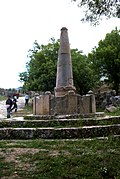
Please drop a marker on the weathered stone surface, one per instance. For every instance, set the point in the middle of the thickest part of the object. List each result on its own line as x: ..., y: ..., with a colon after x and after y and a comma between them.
x: 111, y: 108
x: 64, y: 79
x: 59, y: 133
x: 41, y: 105
x: 59, y: 121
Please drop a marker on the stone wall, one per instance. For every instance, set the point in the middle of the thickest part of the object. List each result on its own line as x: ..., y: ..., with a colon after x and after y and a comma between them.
x: 68, y: 104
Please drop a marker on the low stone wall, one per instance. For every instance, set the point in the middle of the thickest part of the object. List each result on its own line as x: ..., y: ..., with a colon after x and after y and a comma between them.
x: 59, y: 133
x: 59, y: 128
x: 68, y: 104
x: 70, y: 116
x: 58, y: 123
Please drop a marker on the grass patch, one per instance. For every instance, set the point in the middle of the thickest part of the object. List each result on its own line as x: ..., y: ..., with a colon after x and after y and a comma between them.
x: 114, y: 113
x: 61, y: 159
x: 2, y: 98
x: 25, y: 111
x: 28, y: 109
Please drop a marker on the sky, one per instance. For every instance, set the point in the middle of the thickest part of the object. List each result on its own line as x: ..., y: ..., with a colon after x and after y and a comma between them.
x: 24, y: 21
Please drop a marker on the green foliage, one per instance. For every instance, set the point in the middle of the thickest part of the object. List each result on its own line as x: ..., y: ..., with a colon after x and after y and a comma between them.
x: 41, y: 69
x: 24, y: 76
x: 103, y: 61
x: 42, y: 66
x: 114, y: 113
x: 84, y: 78
x: 2, y: 98
x: 106, y: 58
x: 96, y: 9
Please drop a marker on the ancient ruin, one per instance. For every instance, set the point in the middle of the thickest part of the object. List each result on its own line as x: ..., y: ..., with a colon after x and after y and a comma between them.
x: 65, y: 100
x: 64, y: 79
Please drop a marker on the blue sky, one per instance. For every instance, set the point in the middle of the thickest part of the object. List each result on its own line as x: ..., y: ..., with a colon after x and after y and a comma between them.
x: 24, y: 21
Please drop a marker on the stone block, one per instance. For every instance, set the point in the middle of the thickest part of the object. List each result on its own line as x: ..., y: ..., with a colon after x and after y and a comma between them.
x: 41, y: 105
x: 86, y: 104
x: 72, y: 104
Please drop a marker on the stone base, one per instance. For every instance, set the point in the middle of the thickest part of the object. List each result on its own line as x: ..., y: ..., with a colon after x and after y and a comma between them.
x: 62, y: 91
x: 70, y: 103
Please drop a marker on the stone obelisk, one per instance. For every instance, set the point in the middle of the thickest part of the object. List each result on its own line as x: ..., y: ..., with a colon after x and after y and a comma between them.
x: 64, y: 79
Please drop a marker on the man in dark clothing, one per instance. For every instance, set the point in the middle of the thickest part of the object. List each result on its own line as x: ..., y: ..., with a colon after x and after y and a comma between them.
x: 9, y: 104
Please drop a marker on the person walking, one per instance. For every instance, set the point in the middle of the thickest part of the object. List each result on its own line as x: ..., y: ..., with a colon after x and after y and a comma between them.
x: 9, y: 104
x: 14, y: 103
x: 26, y: 99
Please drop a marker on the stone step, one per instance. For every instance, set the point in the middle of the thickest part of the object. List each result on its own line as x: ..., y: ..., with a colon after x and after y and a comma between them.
x: 59, y: 122
x: 59, y: 133
x: 70, y: 116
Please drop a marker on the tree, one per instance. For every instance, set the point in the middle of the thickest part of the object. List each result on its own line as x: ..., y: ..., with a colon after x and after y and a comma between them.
x: 42, y: 68
x: 24, y: 77
x: 96, y: 9
x: 84, y: 78
x: 106, y: 58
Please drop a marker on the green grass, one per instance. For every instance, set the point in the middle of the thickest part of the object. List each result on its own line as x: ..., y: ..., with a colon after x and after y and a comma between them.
x: 2, y: 98
x: 25, y: 111
x: 60, y: 159
x: 28, y: 108
x: 114, y: 113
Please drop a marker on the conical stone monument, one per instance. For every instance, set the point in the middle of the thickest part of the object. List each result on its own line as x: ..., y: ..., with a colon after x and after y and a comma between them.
x: 64, y: 79
x: 65, y: 100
